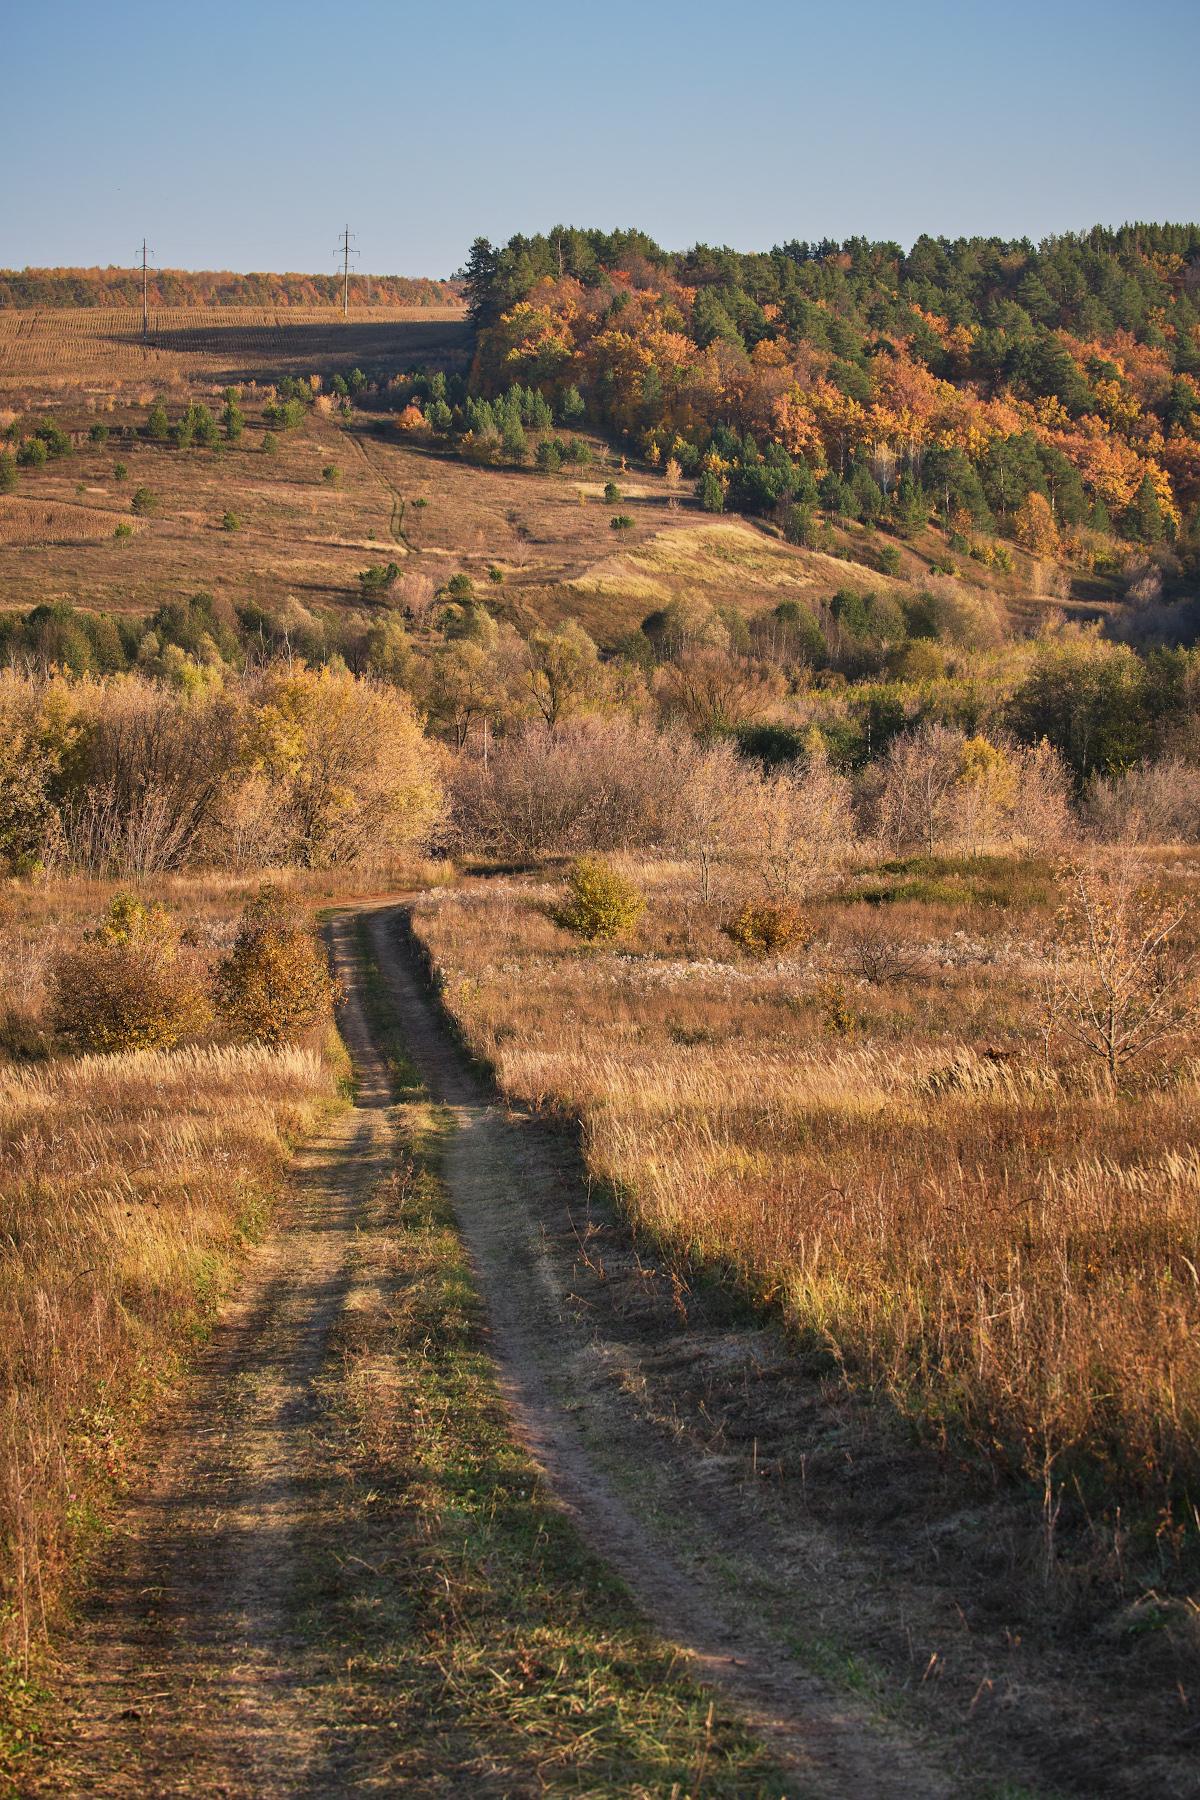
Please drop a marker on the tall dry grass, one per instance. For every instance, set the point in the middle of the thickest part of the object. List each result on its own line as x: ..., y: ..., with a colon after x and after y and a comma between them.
x: 128, y: 1184
x: 1002, y: 1247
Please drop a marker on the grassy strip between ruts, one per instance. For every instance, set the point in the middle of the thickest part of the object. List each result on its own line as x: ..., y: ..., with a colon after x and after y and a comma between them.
x: 464, y: 1621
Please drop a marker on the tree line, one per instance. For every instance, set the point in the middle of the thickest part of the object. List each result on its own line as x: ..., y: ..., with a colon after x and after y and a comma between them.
x: 114, y: 287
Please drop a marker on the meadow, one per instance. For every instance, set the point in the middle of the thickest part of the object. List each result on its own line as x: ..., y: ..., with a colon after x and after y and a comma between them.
x: 878, y: 1136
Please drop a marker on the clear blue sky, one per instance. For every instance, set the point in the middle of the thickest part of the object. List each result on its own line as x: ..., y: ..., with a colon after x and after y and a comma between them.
x: 242, y: 136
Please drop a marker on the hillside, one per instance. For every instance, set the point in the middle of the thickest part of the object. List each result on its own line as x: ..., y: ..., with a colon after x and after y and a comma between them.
x: 1046, y: 392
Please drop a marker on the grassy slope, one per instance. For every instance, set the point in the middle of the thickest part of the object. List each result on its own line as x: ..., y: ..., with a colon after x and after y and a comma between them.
x: 303, y: 540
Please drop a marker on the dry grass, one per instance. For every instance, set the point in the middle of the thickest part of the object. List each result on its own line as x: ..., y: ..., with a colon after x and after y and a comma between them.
x: 1002, y: 1248
x: 102, y: 348
x: 128, y: 1185
x: 24, y: 523
x: 129, y: 1182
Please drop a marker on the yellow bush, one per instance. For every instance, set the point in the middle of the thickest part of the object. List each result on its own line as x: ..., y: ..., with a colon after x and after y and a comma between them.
x: 275, y: 982
x: 600, y: 903
x: 127, y: 986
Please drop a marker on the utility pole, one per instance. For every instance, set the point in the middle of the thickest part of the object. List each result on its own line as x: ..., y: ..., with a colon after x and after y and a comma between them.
x: 145, y: 295
x: 344, y: 246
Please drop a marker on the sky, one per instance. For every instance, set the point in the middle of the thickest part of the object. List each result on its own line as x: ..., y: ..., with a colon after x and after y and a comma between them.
x: 244, y: 136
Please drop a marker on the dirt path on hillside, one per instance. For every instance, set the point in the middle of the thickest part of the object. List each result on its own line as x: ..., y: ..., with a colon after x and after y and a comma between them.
x: 396, y: 520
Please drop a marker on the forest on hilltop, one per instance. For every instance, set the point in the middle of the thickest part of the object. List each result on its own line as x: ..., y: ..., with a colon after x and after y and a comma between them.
x: 1035, y: 390
x: 214, y: 287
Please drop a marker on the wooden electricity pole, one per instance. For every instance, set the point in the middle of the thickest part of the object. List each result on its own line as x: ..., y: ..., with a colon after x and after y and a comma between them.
x: 145, y: 295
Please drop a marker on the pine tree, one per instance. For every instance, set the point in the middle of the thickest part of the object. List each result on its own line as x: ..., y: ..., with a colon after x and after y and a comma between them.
x: 1146, y: 518
x: 710, y: 493
x: 571, y: 409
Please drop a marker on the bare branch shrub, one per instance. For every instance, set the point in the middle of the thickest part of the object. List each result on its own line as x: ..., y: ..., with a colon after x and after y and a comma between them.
x: 591, y: 783
x: 798, y: 828
x: 1154, y: 803
x: 1121, y: 974
x: 938, y: 788
x: 879, y: 956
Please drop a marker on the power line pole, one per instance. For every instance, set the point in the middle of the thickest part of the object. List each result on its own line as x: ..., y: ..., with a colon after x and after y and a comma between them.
x: 344, y: 246
x: 145, y: 295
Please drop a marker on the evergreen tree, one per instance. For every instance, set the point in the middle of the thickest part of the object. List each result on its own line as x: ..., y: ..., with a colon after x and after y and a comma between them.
x: 516, y: 444
x: 1145, y: 514
x: 710, y: 493
x: 571, y: 409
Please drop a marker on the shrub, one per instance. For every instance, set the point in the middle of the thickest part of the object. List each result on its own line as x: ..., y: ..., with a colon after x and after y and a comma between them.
x: 55, y: 439
x: 274, y: 983
x: 143, y: 503
x: 120, y: 471
x: 495, y: 574
x: 600, y: 903
x: 8, y: 472
x: 33, y: 454
x: 331, y: 475
x: 612, y: 493
x: 98, y: 433
x: 230, y: 522
x: 270, y: 444
x: 124, y: 530
x: 621, y: 522
x: 284, y: 415
x: 763, y: 927
x: 126, y: 987
x: 378, y: 580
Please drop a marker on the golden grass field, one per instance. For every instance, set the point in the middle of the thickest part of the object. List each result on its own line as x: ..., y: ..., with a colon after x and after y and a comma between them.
x: 985, y: 1237
x: 98, y: 350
